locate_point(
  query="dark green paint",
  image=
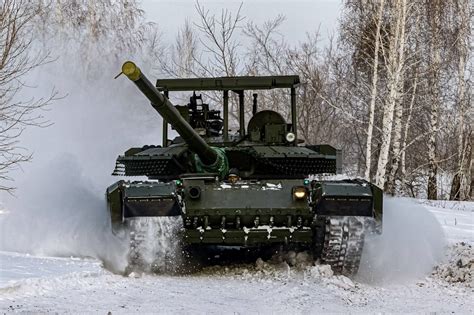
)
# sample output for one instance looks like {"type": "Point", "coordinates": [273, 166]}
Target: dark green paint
{"type": "Point", "coordinates": [259, 208]}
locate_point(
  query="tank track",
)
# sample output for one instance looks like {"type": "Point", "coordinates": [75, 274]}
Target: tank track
{"type": "Point", "coordinates": [343, 243]}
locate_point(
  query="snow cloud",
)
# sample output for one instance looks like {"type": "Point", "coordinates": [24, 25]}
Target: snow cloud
{"type": "Point", "coordinates": [59, 208]}
{"type": "Point", "coordinates": [411, 244]}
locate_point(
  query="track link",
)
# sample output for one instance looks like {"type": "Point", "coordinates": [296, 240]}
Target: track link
{"type": "Point", "coordinates": [343, 244]}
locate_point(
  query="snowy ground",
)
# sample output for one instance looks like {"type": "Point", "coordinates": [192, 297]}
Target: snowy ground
{"type": "Point", "coordinates": [457, 219]}
{"type": "Point", "coordinates": [46, 284]}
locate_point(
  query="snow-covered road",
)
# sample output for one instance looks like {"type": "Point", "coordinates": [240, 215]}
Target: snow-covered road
{"type": "Point", "coordinates": [45, 284]}
{"type": "Point", "coordinates": [237, 292]}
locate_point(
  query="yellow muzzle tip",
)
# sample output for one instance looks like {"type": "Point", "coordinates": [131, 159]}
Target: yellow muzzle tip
{"type": "Point", "coordinates": [131, 70]}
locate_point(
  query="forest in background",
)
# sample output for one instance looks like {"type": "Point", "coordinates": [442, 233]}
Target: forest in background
{"type": "Point", "coordinates": [392, 89]}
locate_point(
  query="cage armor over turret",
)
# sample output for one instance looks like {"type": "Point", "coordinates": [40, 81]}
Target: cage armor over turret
{"type": "Point", "coordinates": [256, 188]}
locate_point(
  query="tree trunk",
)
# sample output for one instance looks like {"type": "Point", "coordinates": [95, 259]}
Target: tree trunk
{"type": "Point", "coordinates": [397, 136]}
{"type": "Point", "coordinates": [405, 131]}
{"type": "Point", "coordinates": [471, 169]}
{"type": "Point", "coordinates": [395, 67]}
{"type": "Point", "coordinates": [455, 187]}
{"type": "Point", "coordinates": [373, 92]}
{"type": "Point", "coordinates": [458, 187]}
{"type": "Point", "coordinates": [432, 164]}
{"type": "Point", "coordinates": [434, 81]}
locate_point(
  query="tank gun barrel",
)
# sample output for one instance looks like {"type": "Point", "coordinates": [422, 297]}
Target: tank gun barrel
{"type": "Point", "coordinates": [165, 108]}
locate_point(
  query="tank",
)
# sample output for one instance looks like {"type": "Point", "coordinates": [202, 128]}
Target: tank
{"type": "Point", "coordinates": [254, 188]}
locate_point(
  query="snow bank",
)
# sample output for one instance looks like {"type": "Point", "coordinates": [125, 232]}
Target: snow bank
{"type": "Point", "coordinates": [459, 267]}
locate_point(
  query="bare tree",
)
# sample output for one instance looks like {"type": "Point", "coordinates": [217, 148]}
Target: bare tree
{"type": "Point", "coordinates": [183, 59]}
{"type": "Point", "coordinates": [460, 183]}
{"type": "Point", "coordinates": [208, 48]}
{"type": "Point", "coordinates": [94, 28]}
{"type": "Point", "coordinates": [434, 10]}
{"type": "Point", "coordinates": [268, 53]}
{"type": "Point", "coordinates": [268, 49]}
{"type": "Point", "coordinates": [17, 59]}
{"type": "Point", "coordinates": [219, 41]}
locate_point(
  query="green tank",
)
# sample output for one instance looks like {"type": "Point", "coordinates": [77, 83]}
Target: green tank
{"type": "Point", "coordinates": [254, 188]}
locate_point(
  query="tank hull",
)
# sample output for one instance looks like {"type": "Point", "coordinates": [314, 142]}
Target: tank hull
{"type": "Point", "coordinates": [233, 208]}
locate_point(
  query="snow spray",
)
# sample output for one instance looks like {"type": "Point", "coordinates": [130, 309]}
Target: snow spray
{"type": "Point", "coordinates": [56, 214]}
{"type": "Point", "coordinates": [155, 244]}
{"type": "Point", "coordinates": [411, 244]}
{"type": "Point", "coordinates": [59, 206]}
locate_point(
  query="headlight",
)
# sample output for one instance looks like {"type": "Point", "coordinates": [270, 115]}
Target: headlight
{"type": "Point", "coordinates": [290, 137]}
{"type": "Point", "coordinates": [299, 192]}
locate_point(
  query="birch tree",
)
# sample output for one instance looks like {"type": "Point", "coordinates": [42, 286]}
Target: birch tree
{"type": "Point", "coordinates": [373, 94]}
{"type": "Point", "coordinates": [395, 62]}
{"type": "Point", "coordinates": [433, 15]}
{"type": "Point", "coordinates": [460, 183]}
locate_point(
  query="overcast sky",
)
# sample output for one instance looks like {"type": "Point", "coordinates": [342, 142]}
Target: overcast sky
{"type": "Point", "coordinates": [301, 16]}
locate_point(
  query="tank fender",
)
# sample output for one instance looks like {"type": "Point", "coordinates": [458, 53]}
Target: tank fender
{"type": "Point", "coordinates": [142, 199]}
{"type": "Point", "coordinates": [346, 198]}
